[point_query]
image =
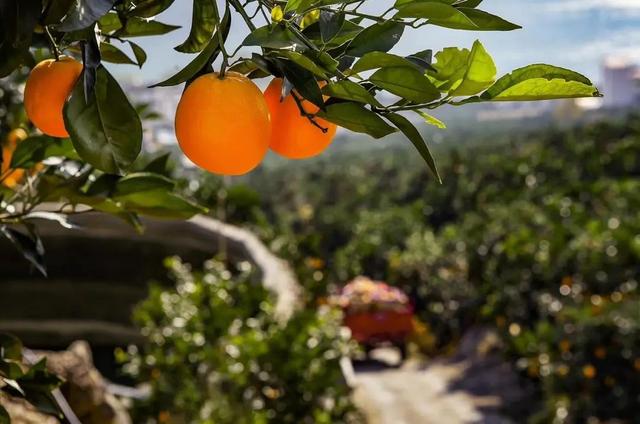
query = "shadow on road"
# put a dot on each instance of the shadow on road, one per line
(373, 365)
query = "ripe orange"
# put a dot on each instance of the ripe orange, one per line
(223, 125)
(15, 136)
(48, 87)
(292, 134)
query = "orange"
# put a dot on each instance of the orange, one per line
(292, 134)
(13, 178)
(49, 85)
(223, 125)
(589, 371)
(16, 135)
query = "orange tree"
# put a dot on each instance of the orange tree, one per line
(333, 58)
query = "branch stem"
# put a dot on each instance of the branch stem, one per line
(52, 43)
(311, 117)
(223, 50)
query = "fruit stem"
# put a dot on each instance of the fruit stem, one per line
(52, 44)
(223, 50)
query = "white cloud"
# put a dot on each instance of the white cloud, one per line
(624, 43)
(589, 5)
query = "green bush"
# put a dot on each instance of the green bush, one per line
(215, 353)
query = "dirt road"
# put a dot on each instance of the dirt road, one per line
(437, 392)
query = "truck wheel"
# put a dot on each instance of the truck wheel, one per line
(367, 350)
(402, 348)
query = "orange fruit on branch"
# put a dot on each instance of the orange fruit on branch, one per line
(223, 124)
(48, 86)
(293, 135)
(16, 135)
(13, 138)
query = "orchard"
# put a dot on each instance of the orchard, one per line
(76, 145)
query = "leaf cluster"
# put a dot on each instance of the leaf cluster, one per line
(329, 52)
(31, 382)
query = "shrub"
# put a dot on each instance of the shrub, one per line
(215, 352)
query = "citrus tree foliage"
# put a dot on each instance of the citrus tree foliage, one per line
(302, 41)
(537, 235)
(33, 383)
(44, 178)
(215, 352)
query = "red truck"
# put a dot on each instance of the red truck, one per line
(376, 313)
(373, 328)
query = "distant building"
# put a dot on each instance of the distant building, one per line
(621, 82)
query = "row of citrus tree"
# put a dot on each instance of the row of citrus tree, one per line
(537, 235)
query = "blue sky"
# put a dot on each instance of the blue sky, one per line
(570, 33)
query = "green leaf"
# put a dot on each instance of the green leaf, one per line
(142, 181)
(349, 90)
(545, 89)
(159, 165)
(375, 60)
(278, 37)
(378, 37)
(109, 23)
(488, 22)
(106, 132)
(29, 245)
(324, 59)
(304, 62)
(450, 67)
(4, 416)
(303, 81)
(160, 203)
(84, 13)
(103, 185)
(112, 54)
(355, 117)
(346, 33)
(137, 27)
(139, 53)
(40, 147)
(469, 3)
(55, 10)
(10, 347)
(447, 16)
(408, 83)
(422, 60)
(13, 386)
(149, 8)
(203, 23)
(431, 120)
(440, 14)
(537, 82)
(414, 136)
(330, 24)
(10, 370)
(297, 5)
(480, 73)
(202, 60)
(548, 72)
